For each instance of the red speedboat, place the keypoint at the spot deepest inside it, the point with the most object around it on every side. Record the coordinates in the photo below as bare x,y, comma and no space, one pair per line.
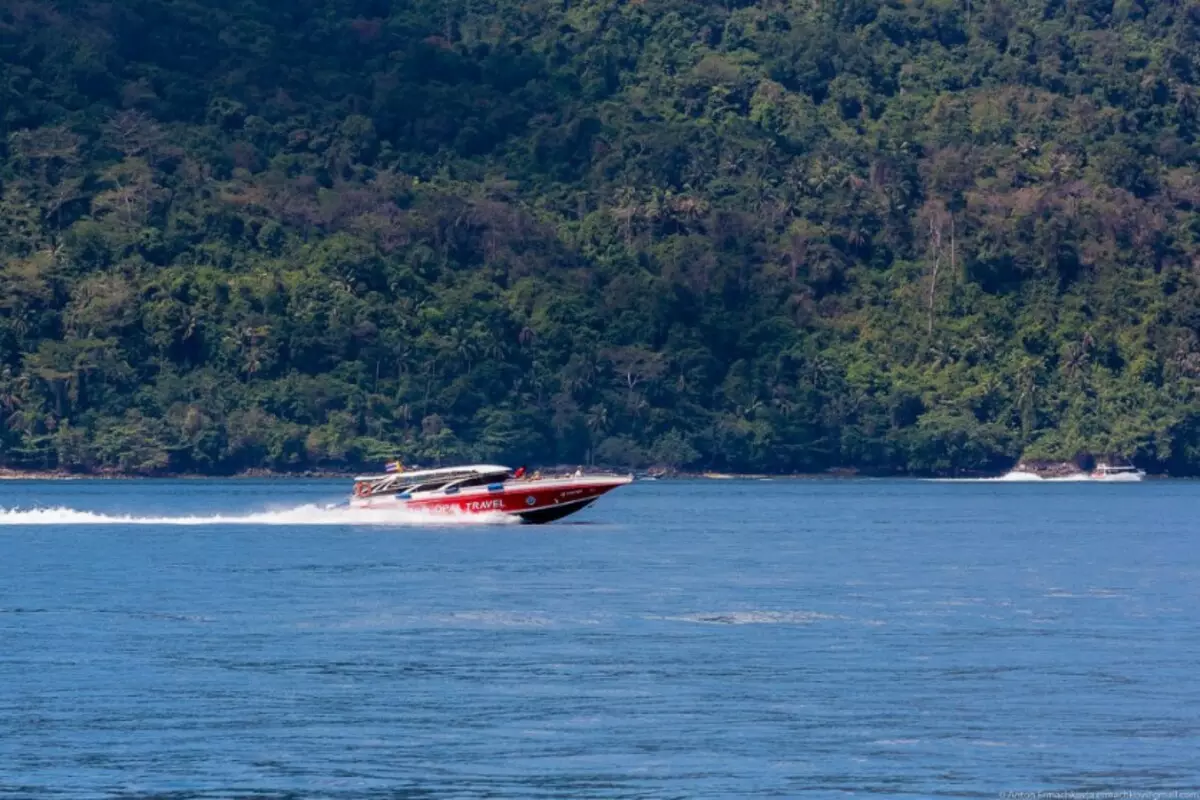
483,489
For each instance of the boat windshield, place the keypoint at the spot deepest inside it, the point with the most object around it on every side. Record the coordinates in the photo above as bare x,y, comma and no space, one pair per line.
478,480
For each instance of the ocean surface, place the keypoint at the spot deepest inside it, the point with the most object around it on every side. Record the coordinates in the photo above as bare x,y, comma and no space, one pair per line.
237,639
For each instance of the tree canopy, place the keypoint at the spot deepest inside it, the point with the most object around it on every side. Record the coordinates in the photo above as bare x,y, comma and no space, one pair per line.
917,235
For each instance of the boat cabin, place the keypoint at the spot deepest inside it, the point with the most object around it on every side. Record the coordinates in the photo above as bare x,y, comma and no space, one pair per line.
1105,469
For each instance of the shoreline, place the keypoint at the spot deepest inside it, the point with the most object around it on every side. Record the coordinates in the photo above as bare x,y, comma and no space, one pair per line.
66,475
7,474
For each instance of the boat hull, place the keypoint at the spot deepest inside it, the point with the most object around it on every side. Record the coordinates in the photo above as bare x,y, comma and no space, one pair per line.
532,502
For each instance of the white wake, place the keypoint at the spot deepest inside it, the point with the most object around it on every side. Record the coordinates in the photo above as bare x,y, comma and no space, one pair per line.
1019,477
300,515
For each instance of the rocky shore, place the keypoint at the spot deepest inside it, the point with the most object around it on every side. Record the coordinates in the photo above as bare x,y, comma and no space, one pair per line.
1049,469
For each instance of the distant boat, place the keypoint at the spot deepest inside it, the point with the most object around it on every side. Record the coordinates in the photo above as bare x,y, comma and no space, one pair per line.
1104,472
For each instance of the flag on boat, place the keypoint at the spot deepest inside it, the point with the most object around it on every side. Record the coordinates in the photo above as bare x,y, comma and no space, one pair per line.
394,466
520,473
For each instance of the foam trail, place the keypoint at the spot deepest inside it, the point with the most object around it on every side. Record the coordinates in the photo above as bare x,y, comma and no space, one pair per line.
300,515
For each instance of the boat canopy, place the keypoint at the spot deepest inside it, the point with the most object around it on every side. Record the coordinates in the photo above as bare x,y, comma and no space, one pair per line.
445,473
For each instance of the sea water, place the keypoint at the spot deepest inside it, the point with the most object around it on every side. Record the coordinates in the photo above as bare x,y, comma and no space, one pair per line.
249,639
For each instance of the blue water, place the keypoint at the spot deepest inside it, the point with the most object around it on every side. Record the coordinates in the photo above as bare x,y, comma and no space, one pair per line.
707,639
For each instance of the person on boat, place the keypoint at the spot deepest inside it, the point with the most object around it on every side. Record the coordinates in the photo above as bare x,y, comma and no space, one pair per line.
537,475
578,472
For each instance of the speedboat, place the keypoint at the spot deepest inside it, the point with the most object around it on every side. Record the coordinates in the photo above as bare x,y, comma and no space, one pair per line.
485,489
1104,472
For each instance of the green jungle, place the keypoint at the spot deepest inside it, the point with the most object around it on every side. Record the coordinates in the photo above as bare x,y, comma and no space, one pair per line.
787,236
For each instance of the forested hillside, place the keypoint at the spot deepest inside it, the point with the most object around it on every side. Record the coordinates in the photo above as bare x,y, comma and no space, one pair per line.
777,235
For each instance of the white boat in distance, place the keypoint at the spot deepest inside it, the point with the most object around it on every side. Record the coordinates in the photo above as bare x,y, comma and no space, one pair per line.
1105,472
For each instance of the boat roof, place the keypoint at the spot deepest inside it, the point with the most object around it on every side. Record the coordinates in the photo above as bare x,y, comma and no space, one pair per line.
443,472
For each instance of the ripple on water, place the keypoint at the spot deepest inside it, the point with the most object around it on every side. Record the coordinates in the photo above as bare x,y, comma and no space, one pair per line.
763,617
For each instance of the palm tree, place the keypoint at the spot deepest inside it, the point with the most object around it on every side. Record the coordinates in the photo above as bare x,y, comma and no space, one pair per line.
597,423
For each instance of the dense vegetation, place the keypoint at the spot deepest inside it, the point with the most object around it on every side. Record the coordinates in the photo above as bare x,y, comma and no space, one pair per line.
922,235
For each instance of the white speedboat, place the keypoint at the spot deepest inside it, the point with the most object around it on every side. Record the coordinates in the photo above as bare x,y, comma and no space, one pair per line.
1105,472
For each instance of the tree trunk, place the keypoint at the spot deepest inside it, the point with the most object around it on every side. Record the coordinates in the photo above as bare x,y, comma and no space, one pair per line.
932,291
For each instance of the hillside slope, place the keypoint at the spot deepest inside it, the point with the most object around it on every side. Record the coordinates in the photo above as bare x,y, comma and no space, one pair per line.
901,236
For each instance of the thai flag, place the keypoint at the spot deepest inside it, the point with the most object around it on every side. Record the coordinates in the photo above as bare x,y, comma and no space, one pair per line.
394,466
